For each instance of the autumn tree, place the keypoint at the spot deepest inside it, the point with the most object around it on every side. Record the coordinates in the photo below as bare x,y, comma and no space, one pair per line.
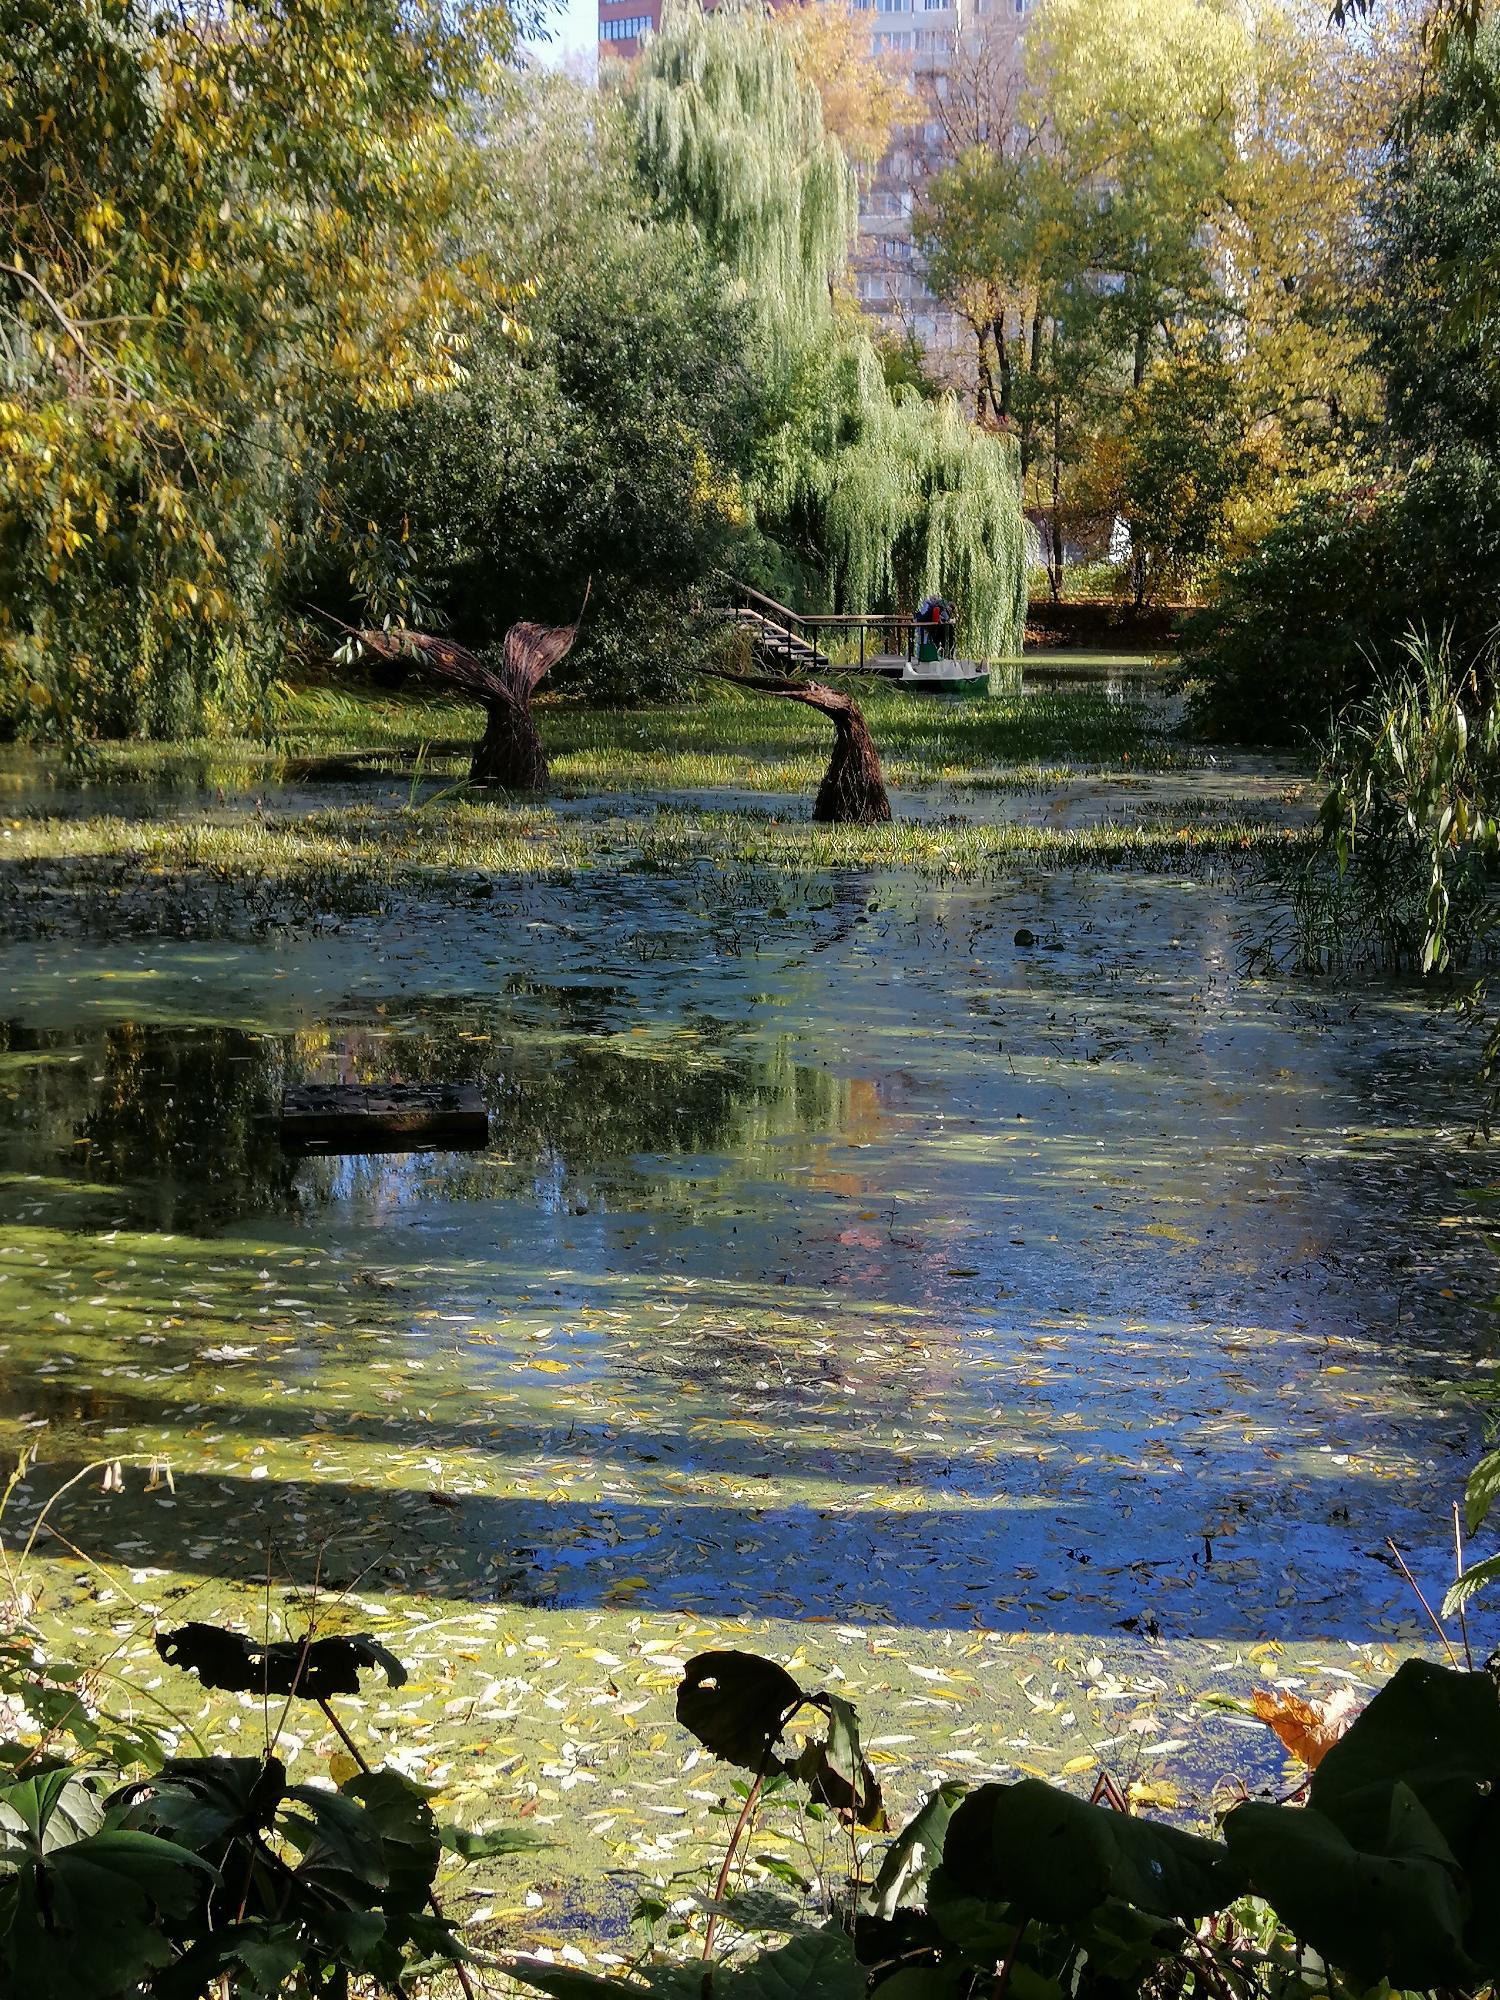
1168,167
224,231
876,495
863,94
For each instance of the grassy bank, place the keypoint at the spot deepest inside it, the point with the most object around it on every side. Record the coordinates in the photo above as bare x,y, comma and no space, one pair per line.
725,739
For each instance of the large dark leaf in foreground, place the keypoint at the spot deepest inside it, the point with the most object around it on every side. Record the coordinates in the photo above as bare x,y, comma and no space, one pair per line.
1055,1857
815,1965
1431,1729
1391,1914
737,1704
81,1899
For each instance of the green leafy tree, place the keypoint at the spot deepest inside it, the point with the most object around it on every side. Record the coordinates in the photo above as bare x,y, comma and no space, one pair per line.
1183,459
603,455
1323,608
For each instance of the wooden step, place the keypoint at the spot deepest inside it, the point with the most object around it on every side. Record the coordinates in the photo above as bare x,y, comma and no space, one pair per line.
772,642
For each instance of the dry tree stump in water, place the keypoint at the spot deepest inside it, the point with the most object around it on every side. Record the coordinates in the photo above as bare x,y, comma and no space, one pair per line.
509,754
853,789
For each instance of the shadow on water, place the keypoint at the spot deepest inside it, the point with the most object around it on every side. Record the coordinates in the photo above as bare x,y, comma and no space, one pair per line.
1083,1562
882,1269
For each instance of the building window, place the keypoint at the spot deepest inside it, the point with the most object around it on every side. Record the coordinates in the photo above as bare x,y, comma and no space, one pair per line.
892,41
628,29
893,6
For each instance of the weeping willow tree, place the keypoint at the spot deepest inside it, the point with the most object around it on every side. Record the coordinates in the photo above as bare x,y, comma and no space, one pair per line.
894,495
732,142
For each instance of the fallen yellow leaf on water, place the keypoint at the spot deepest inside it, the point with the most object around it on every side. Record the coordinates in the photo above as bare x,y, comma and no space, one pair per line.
1076,1764
1146,1792
1308,1729
342,1767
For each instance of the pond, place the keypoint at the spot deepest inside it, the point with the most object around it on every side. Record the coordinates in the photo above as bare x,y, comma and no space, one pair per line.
992,1294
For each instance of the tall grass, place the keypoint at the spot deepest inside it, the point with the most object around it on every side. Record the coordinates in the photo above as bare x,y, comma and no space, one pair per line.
1406,874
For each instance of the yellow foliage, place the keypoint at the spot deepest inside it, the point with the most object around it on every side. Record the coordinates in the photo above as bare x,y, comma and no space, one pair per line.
864,95
215,247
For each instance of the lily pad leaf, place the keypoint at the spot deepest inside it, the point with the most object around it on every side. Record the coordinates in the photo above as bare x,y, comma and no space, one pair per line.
313,1669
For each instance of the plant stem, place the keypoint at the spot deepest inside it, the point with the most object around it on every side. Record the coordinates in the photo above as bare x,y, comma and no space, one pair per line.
460,1969
740,1824
1431,1615
1458,1570
1002,1977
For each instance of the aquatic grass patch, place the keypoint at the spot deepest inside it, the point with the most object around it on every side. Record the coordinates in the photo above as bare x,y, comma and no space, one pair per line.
107,875
728,739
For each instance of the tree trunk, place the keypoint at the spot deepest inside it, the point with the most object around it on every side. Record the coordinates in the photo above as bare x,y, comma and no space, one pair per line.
1033,373
1007,387
986,400
509,755
853,789
1055,553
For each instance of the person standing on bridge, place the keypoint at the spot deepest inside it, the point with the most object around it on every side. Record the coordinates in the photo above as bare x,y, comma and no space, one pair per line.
936,629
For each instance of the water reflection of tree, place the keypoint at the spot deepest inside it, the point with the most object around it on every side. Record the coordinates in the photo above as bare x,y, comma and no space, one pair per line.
565,1108
183,1120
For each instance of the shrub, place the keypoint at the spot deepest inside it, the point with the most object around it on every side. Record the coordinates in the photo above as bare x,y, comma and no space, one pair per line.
1301,624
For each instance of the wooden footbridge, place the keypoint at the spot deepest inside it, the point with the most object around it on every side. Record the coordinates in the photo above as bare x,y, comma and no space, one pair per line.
783,641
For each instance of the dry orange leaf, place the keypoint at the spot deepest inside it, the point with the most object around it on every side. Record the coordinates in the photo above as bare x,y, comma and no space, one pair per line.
1309,1729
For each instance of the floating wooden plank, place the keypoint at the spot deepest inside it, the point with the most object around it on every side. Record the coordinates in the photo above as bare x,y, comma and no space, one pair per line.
383,1117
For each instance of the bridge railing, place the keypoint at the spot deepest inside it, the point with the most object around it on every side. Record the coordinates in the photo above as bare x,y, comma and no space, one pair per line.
848,638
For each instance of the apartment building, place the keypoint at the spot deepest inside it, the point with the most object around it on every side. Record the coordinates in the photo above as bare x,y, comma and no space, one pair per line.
623,22
961,62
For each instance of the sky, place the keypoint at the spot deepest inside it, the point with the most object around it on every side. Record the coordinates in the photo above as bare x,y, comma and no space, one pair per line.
575,27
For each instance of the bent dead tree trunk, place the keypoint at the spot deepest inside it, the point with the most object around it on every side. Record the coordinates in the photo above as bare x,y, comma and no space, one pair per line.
853,789
510,753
